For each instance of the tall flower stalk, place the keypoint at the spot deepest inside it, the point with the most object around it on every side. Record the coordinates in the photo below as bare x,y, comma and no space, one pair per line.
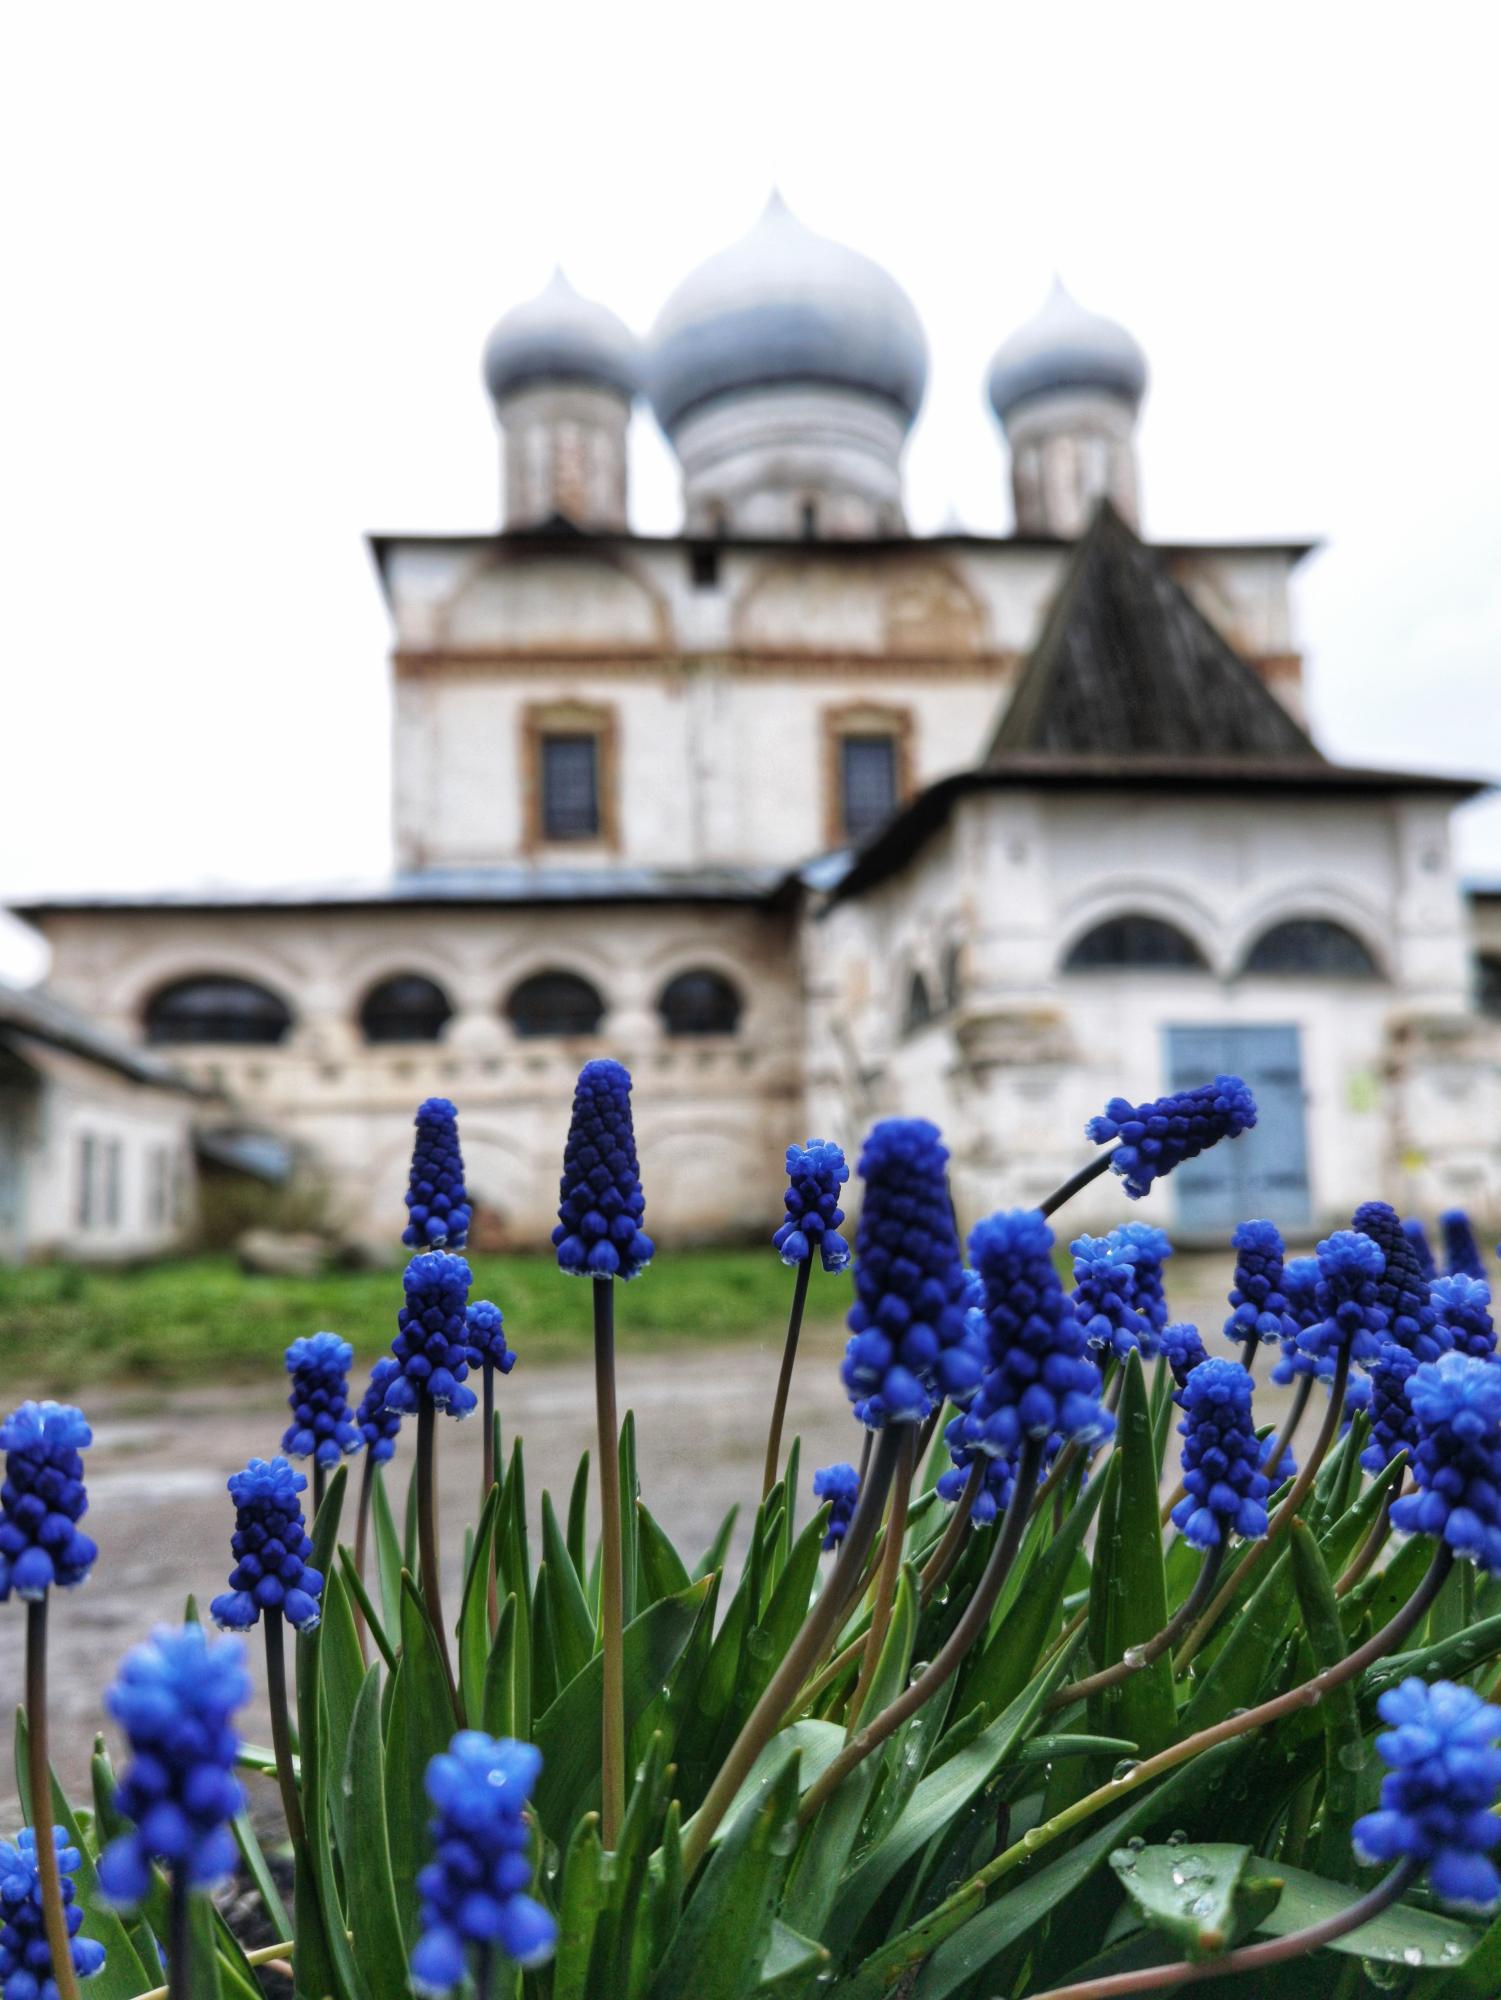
492,1356
815,1174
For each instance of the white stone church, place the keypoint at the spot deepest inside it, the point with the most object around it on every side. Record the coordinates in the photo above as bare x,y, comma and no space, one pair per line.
811,820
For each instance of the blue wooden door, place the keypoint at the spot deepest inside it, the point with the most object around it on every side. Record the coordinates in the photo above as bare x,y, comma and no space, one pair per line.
1265,1171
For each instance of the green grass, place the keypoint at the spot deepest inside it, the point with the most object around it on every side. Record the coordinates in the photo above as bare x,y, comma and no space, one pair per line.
63,1325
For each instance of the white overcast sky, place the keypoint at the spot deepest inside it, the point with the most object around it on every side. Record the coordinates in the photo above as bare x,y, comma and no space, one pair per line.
250,256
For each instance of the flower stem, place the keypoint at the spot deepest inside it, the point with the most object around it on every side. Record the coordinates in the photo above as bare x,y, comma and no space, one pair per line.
486,1481
1294,1417
427,1540
814,1634
940,1564
318,1480
784,1379
1153,1979
1248,1352
484,1974
972,1623
1069,1188
263,1954
1140,1657
54,1918
179,1935
361,1537
281,1731
611,1585
891,1569
1370,1548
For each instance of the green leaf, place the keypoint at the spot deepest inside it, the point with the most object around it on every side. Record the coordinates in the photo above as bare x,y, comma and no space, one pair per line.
1392,1938
663,1571
572,1621
714,1555
677,1699
544,1665
514,1566
568,1734
725,1932
343,1673
260,1874
1198,1893
1144,1706
630,1493
321,1960
578,1515
1345,1753
474,1608
420,1725
1237,1673
374,1623
621,1921
388,1561
581,1900
497,1710
791,1965
379,1948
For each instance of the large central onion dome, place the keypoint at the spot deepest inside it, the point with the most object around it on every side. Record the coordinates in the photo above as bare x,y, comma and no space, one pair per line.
784,305
560,336
1066,347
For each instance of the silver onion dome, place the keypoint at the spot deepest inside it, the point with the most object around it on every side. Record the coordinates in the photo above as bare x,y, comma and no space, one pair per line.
1066,347
785,305
560,336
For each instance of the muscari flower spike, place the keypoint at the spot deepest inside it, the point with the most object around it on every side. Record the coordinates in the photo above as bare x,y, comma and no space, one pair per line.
431,1347
1184,1350
840,1486
174,1699
600,1200
1443,1774
322,1427
378,1424
25,1956
1153,1248
1351,1315
1259,1306
1300,1287
1225,1487
438,1206
1457,1461
271,1548
475,1892
1463,1306
1394,1423
487,1337
1462,1256
1105,1294
909,1345
43,1500
1422,1249
1402,1290
1000,1476
815,1174
1041,1382
1158,1136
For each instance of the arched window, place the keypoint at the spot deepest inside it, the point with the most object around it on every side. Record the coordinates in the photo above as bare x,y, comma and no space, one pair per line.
919,1009
1488,984
405,1008
701,1002
554,1003
218,1010
1311,948
1135,943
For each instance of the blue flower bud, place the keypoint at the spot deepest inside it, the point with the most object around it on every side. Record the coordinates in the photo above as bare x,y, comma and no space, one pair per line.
1152,1248
1158,1136
431,1348
487,1337
42,1500
25,1955
379,1425
1402,1291
1350,1313
438,1206
321,1426
1457,1461
1437,1799
1463,1309
1422,1249
1184,1350
815,1174
1105,1294
840,1486
1225,1487
271,1548
601,1205
1259,1304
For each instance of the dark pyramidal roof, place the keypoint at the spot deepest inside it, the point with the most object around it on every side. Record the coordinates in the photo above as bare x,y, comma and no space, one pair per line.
1128,666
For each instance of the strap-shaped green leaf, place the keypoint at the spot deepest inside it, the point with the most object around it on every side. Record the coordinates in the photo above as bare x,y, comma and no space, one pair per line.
474,1607
1200,1894
572,1621
420,1724
1345,1753
1143,1707
663,1571
379,1948
581,1899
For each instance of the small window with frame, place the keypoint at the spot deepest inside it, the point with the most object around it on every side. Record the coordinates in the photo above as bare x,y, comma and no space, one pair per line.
867,783
570,785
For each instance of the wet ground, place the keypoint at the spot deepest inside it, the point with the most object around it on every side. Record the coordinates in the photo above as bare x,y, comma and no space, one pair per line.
162,1519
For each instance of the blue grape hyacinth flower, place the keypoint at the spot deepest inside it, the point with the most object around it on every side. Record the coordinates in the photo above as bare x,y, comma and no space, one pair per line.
272,1569
475,1892
42,1501
487,1337
601,1204
1300,1286
1422,1249
1463,1309
1351,1317
431,1347
1152,1247
815,1174
1105,1295
1259,1306
1402,1290
438,1206
25,1955
1462,1256
175,1699
1000,1476
1437,1798
1184,1350
840,1486
379,1424
322,1426
1225,1487
1162,1134
1457,1461
1394,1422
909,1345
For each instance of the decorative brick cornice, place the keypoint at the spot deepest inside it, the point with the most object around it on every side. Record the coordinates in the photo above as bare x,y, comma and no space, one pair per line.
526,663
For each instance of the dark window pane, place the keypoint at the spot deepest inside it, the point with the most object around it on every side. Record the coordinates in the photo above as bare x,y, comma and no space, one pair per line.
570,787
1488,985
85,1211
1134,943
554,1003
953,976
407,1008
217,1010
1311,947
867,779
919,1003
700,1003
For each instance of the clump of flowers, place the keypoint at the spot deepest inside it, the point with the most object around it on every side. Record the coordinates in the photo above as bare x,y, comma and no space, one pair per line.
1184,1350
1300,1287
25,1956
1351,1317
174,1699
272,1569
1105,1293
601,1204
908,1346
1422,1249
815,1174
487,1337
322,1427
840,1486
1225,1487
379,1424
1152,1248
475,1890
1463,1308
1157,1136
431,1347
1457,1461
1402,1290
1444,1771
1259,1307
438,1206
42,1500
1462,1256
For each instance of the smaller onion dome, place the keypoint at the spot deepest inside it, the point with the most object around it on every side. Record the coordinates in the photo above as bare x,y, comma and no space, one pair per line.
1066,347
560,336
